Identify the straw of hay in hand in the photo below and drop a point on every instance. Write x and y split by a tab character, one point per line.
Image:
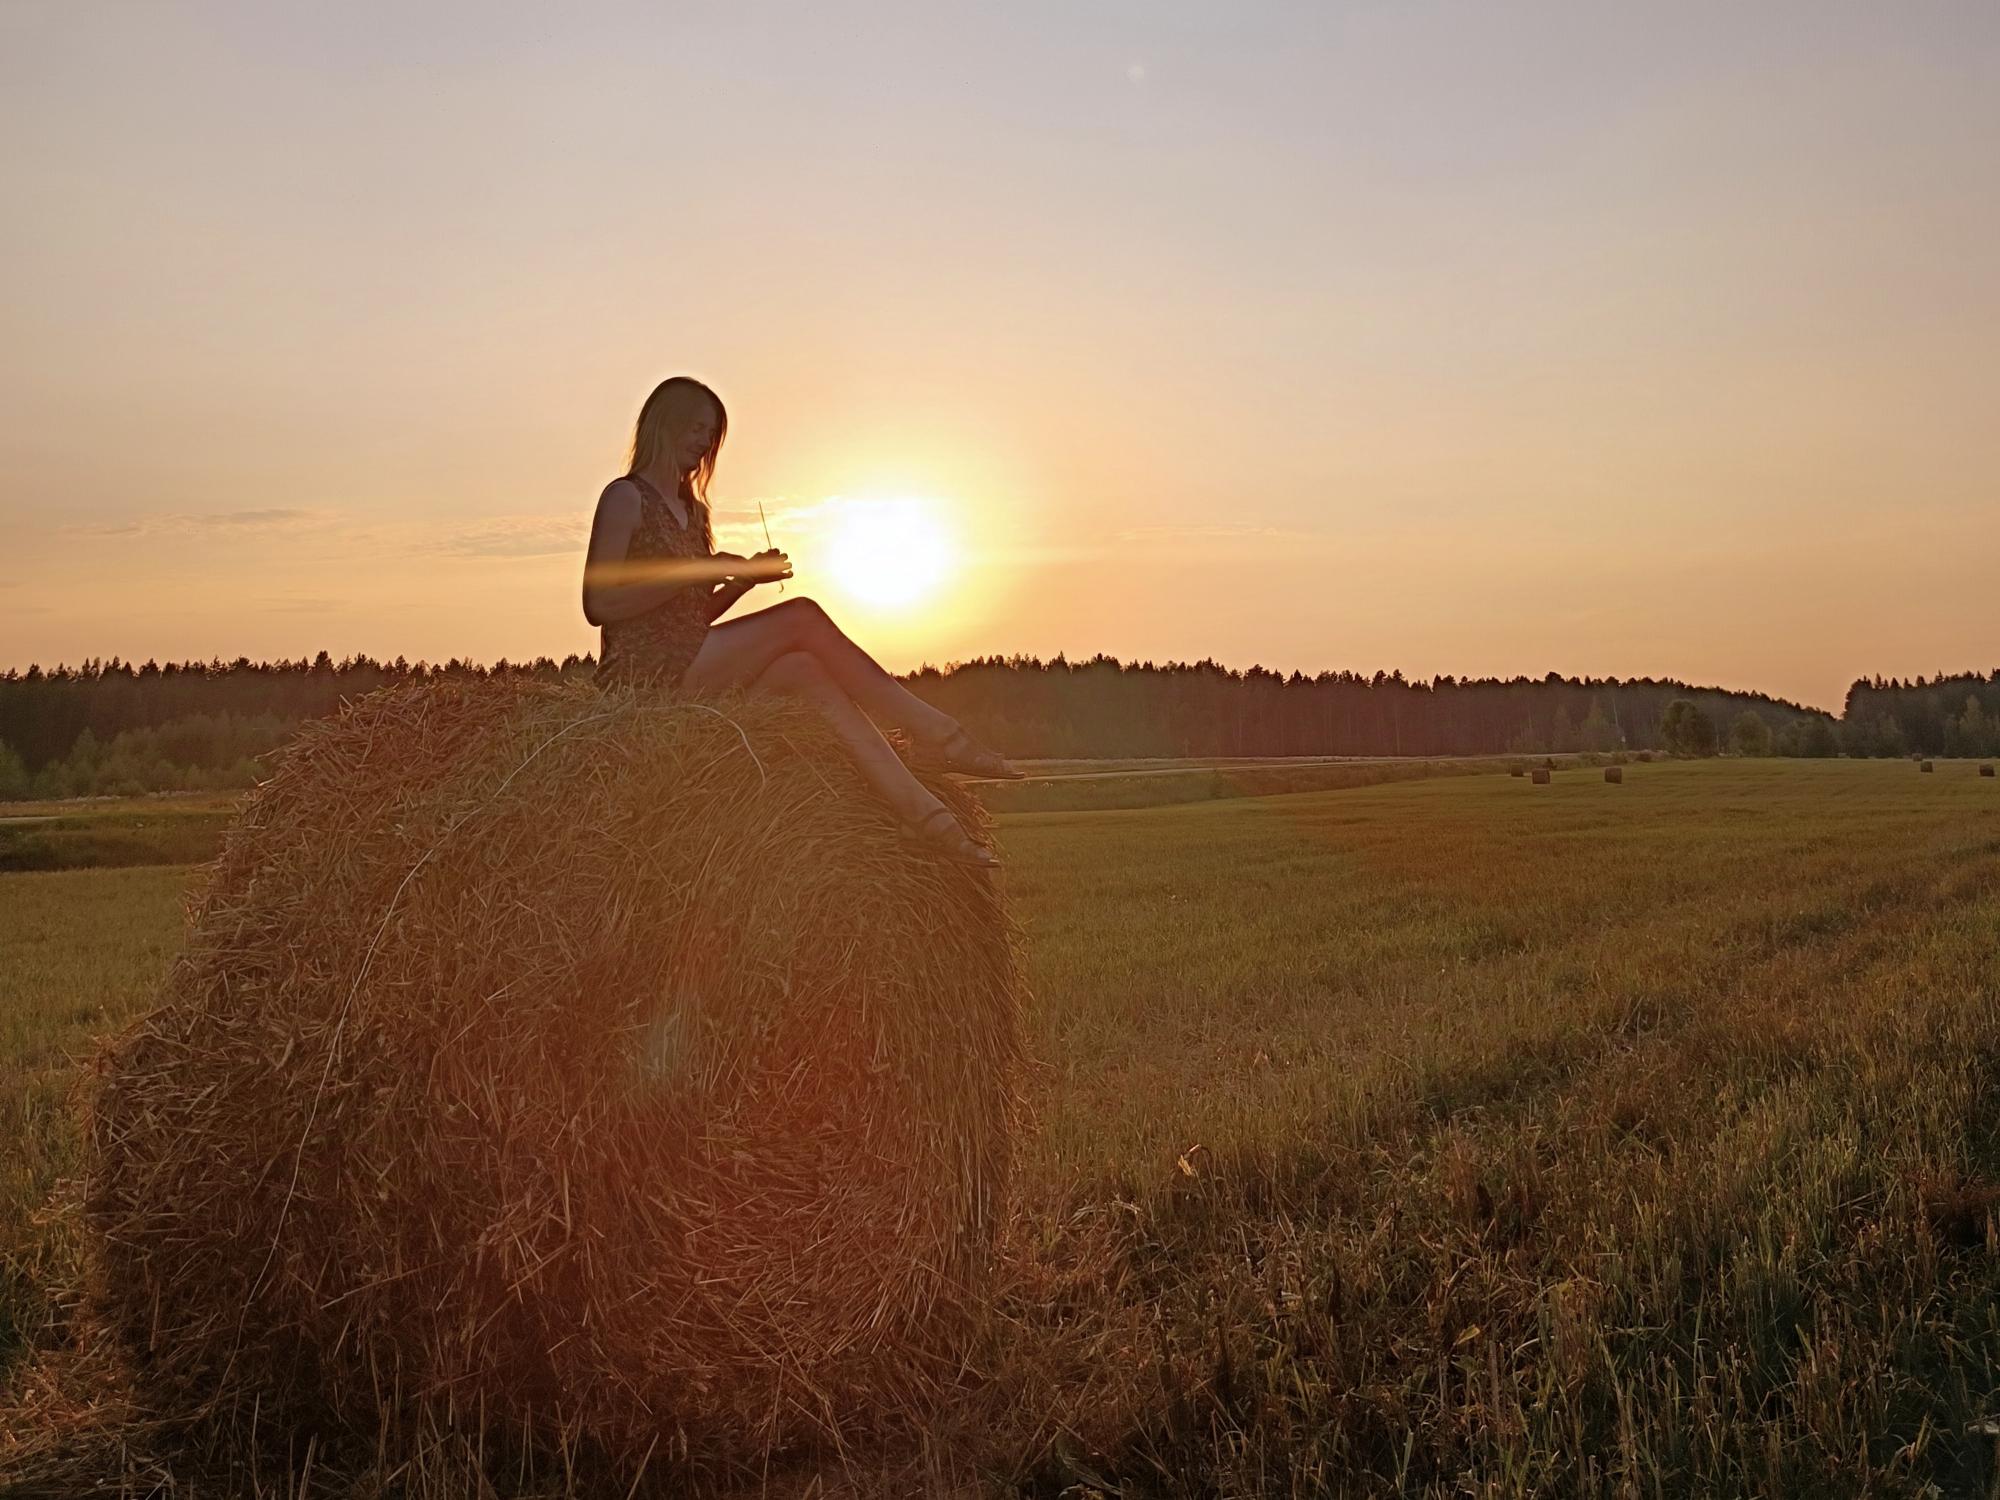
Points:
562	1062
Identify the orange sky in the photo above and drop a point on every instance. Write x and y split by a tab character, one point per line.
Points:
1646	339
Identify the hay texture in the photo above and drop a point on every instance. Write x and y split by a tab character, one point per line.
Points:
564	1062
1614	775
1540	776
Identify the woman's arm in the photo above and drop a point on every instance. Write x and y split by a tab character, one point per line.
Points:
721	601
616	587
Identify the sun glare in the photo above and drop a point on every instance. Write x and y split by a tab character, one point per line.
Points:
890	553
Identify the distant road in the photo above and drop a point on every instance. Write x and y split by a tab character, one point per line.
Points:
1099	770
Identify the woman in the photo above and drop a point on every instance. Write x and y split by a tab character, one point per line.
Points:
656	585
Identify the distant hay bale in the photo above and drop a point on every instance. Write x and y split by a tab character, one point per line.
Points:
1517	771
1644	757
1985	770
562	1064
1541	776
1615	775
1924	765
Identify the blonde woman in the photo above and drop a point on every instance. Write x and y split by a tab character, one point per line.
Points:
656	586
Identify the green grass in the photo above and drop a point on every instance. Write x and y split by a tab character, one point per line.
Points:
104	834
1083	786
1552	1139
79	951
1456	1136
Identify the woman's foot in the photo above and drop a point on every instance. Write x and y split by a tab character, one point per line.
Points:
960	752
938	832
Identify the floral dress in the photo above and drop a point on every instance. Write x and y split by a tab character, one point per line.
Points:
654	649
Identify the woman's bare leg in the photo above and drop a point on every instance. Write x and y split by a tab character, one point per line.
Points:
801	675
737	652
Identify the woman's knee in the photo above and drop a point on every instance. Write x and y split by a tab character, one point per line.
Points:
807	621
795	672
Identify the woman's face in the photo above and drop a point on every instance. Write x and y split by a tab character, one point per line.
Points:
696	439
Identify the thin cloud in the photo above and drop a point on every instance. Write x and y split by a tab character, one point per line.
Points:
801	515
515	536
211	520
229	520
739	527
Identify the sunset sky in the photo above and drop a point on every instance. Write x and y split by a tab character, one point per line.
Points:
1633	339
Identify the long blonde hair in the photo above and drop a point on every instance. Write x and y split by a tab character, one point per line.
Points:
675	403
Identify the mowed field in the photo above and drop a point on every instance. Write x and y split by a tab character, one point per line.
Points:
1455	1136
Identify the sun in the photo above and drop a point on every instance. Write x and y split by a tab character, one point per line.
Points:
890	553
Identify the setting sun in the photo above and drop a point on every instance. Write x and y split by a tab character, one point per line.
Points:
889	553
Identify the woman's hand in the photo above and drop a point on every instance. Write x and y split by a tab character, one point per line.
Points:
766	567
745	573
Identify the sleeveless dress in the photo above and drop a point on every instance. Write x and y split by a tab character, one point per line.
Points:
654	649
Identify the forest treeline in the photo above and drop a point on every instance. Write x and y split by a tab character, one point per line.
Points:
116	727
1946	715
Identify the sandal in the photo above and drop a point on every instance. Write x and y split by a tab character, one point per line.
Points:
960	752
955	844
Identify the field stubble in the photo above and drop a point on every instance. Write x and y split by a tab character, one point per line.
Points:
1457	1137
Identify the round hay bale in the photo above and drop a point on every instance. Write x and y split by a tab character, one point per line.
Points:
1541	776
1615	775
1517	771
1925	766
1985	770
562	1063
